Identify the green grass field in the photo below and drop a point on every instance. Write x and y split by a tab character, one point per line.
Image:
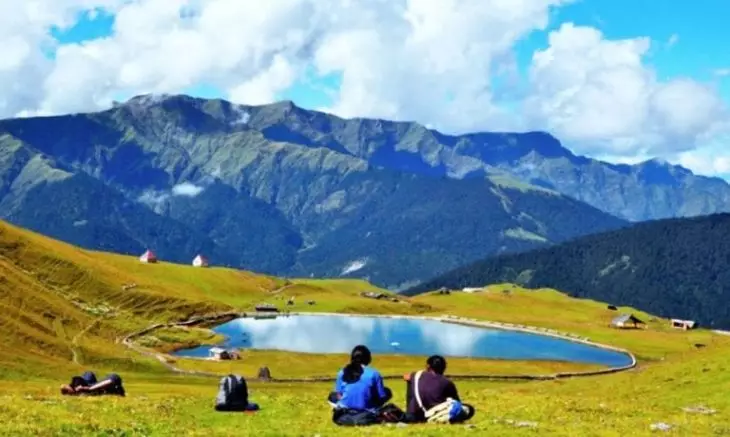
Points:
63	310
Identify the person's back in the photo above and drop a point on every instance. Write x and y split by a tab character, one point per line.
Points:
430	388
434	389
366	393
360	394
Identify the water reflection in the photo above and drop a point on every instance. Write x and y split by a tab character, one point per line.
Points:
338	334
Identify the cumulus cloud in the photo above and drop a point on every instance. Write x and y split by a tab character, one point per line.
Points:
600	96
434	61
406	59
187	189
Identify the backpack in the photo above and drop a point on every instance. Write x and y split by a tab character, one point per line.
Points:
232	392
390	413
345	417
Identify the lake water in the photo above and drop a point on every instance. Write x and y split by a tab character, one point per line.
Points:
339	334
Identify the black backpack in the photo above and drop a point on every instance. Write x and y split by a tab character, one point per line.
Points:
232	394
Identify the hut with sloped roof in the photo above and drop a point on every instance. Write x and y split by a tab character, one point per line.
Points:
200	261
626	321
148	257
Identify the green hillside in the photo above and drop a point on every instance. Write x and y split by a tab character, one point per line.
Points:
183	175
63	310
678	268
61	302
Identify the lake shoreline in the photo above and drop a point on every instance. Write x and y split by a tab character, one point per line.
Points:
225	317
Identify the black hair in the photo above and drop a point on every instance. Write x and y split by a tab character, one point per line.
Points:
360	356
78	381
437	363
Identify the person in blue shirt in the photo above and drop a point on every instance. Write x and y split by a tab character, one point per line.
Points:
359	390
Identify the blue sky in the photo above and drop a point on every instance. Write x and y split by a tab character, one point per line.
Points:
697	29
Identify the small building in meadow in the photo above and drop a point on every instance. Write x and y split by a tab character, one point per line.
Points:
373	295
218	353
148	257
684	324
200	261
266	308
626	321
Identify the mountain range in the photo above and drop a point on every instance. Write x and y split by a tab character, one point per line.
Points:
288	191
675	268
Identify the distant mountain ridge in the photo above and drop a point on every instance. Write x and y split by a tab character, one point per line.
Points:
675	268
272	188
650	190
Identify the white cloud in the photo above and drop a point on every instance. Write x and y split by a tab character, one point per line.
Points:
186	189
673	40
264	87
157	200
713	159
25	39
434	61
601	98
154	199
429	60
242	118
354	266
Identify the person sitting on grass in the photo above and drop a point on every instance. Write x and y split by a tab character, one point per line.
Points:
360	394
87	384
431	397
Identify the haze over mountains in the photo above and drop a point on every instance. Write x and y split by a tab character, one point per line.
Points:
284	190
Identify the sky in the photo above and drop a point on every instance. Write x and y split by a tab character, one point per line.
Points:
619	80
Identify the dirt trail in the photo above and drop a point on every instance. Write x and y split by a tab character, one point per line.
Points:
75	340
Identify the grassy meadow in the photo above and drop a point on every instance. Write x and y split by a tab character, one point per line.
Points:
64	310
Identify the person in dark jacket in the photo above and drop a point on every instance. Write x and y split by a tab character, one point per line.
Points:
433	389
87	384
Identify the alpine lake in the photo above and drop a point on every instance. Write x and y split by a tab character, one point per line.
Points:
330	334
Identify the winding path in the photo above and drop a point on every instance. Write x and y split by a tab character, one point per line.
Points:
129	342
75	340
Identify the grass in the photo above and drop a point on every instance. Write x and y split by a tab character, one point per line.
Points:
179	337
622	404
551	309
63	310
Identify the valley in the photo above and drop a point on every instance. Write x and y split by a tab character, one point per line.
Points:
61	302
364	218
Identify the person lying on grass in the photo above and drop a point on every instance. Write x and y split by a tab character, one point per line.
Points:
360	395
87	384
431	397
